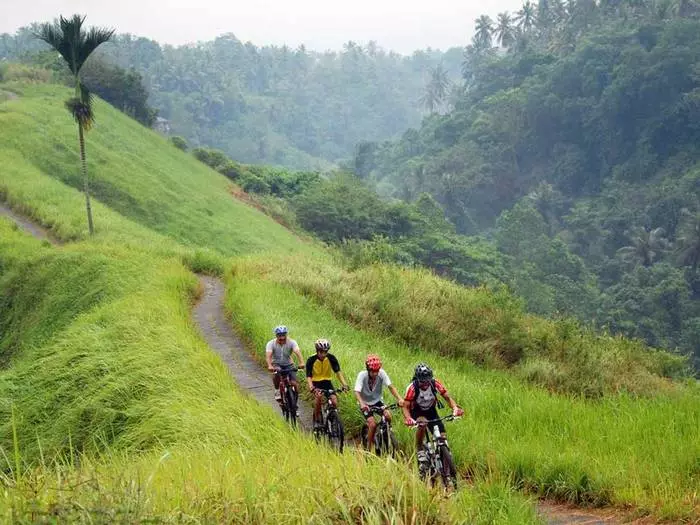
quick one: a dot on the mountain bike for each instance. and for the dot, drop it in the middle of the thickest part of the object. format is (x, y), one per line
(384, 438)
(289, 397)
(439, 460)
(330, 425)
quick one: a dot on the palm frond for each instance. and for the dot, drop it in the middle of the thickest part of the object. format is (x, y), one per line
(68, 38)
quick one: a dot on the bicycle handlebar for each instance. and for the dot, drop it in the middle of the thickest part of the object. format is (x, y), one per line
(278, 369)
(381, 409)
(450, 417)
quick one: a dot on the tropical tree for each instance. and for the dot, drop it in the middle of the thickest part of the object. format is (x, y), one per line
(646, 246)
(688, 241)
(437, 90)
(504, 31)
(483, 32)
(525, 18)
(75, 46)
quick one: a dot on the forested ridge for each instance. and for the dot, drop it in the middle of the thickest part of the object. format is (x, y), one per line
(276, 105)
(573, 147)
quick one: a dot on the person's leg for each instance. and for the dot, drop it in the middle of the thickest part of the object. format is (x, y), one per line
(371, 429)
(276, 384)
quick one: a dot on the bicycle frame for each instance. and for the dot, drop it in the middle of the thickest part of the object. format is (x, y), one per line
(284, 386)
(433, 443)
(383, 430)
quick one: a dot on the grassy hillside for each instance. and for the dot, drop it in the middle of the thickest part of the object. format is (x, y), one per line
(136, 173)
(102, 363)
(622, 449)
(114, 408)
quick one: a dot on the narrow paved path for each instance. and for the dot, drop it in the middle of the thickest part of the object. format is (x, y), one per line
(25, 224)
(251, 377)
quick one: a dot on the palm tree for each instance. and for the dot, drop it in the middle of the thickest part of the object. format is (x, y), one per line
(525, 18)
(689, 240)
(75, 46)
(437, 90)
(646, 246)
(505, 35)
(483, 32)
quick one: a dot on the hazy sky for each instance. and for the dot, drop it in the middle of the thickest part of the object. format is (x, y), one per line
(401, 25)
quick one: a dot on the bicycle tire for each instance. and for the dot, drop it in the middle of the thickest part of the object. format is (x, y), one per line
(336, 433)
(393, 445)
(448, 471)
(291, 407)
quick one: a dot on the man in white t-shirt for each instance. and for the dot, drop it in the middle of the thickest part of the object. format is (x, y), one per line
(369, 388)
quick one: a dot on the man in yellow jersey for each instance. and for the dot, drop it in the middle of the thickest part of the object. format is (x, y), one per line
(319, 372)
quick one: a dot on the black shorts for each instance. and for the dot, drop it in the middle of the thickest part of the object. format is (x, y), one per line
(326, 384)
(378, 404)
(429, 414)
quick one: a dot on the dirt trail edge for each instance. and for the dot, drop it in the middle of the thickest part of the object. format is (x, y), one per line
(25, 224)
(209, 314)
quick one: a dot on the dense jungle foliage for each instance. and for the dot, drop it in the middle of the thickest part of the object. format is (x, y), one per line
(574, 147)
(272, 105)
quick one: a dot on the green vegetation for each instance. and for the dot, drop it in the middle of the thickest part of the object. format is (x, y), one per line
(139, 175)
(620, 450)
(486, 327)
(273, 105)
(573, 147)
(115, 407)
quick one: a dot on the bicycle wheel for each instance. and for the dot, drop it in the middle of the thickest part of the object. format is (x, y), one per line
(448, 471)
(363, 436)
(381, 440)
(393, 443)
(336, 433)
(291, 402)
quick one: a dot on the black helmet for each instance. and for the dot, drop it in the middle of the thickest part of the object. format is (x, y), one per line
(423, 372)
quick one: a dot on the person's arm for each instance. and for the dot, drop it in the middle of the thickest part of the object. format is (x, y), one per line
(408, 400)
(268, 356)
(358, 391)
(310, 372)
(343, 382)
(456, 410)
(335, 366)
(297, 352)
(397, 396)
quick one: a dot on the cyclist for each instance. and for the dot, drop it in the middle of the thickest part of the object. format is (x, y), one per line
(369, 388)
(421, 401)
(319, 371)
(278, 354)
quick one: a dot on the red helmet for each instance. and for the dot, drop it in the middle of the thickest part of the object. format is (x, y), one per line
(373, 362)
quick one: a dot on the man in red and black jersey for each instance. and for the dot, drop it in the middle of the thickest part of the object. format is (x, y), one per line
(421, 401)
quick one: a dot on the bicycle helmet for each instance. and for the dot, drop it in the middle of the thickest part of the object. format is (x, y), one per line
(281, 330)
(423, 372)
(373, 362)
(322, 344)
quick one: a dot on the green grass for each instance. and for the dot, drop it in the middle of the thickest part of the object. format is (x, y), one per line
(114, 409)
(489, 328)
(133, 171)
(617, 450)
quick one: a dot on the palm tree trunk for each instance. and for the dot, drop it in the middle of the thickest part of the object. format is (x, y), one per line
(86, 185)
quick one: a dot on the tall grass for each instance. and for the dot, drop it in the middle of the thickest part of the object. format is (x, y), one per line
(486, 327)
(620, 449)
(113, 409)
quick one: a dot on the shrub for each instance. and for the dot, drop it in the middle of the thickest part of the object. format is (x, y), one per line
(179, 143)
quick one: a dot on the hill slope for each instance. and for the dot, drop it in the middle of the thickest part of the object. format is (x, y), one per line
(121, 371)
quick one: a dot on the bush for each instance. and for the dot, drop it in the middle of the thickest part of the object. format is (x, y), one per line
(179, 143)
(254, 184)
